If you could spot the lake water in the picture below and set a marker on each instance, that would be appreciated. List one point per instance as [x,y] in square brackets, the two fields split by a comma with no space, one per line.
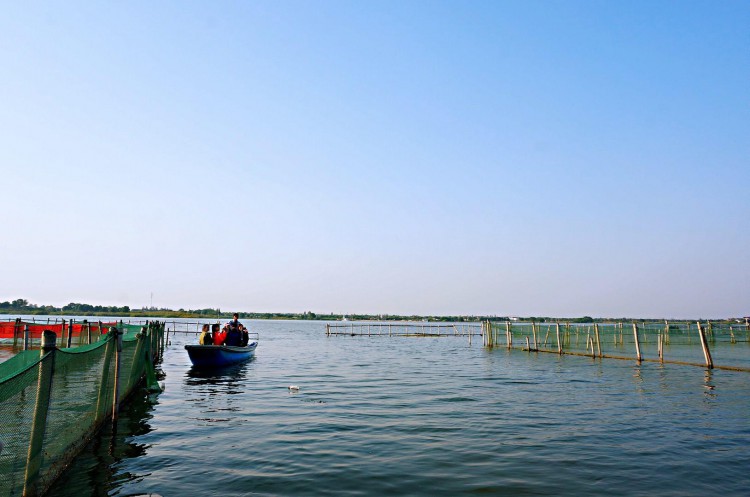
[422,416]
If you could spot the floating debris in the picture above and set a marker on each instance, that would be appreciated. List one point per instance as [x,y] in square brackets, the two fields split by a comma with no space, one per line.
[293,388]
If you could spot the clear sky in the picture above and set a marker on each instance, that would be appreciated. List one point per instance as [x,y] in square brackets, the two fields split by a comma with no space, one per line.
[555,158]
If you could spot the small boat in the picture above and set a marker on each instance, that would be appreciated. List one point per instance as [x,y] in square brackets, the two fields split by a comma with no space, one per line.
[215,356]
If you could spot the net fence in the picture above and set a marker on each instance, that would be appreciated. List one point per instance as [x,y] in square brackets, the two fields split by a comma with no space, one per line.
[52,400]
[720,345]
[69,333]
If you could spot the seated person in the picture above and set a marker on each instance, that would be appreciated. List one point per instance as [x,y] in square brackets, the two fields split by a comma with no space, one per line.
[205,337]
[219,336]
[234,332]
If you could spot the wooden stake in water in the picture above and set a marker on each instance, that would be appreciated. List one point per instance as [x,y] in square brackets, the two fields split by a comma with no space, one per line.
[557,331]
[598,343]
[118,364]
[661,347]
[533,330]
[510,334]
[704,344]
[637,344]
[44,389]
[528,347]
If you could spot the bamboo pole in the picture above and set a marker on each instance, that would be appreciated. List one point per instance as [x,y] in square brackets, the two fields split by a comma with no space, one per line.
[704,344]
[598,343]
[101,402]
[528,347]
[69,342]
[637,344]
[39,424]
[661,348]
[510,334]
[118,361]
[533,330]
[559,344]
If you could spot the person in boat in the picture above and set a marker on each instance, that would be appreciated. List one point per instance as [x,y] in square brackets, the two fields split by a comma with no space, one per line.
[245,336]
[219,336]
[234,332]
[206,338]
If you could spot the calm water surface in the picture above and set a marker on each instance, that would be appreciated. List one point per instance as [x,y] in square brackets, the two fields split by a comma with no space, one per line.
[428,416]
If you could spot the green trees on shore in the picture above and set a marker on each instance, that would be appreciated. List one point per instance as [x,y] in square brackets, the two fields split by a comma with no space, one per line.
[23,306]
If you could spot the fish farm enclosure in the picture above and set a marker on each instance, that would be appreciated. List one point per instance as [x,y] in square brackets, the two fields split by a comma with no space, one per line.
[377,408]
[53,400]
[722,346]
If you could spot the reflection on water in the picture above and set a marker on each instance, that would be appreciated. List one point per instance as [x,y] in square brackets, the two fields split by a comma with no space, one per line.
[212,390]
[7,350]
[216,376]
[99,469]
[708,385]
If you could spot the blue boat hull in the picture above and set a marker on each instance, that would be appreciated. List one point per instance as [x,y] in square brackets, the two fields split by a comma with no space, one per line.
[215,356]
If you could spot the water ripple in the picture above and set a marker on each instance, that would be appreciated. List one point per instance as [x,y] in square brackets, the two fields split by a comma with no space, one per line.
[397,416]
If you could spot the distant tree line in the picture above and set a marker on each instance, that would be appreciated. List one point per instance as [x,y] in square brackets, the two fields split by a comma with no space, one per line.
[75,308]
[22,306]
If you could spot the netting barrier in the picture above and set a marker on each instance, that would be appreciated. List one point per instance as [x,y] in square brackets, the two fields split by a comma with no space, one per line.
[707,344]
[68,332]
[53,400]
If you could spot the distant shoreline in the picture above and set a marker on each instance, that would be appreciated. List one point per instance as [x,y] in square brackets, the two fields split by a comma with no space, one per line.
[311,316]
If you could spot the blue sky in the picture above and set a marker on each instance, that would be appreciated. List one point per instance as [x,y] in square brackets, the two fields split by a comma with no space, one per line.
[508,158]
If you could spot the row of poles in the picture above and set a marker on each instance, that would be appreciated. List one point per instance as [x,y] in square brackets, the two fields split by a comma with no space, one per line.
[405,329]
[22,332]
[489,333]
[44,393]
